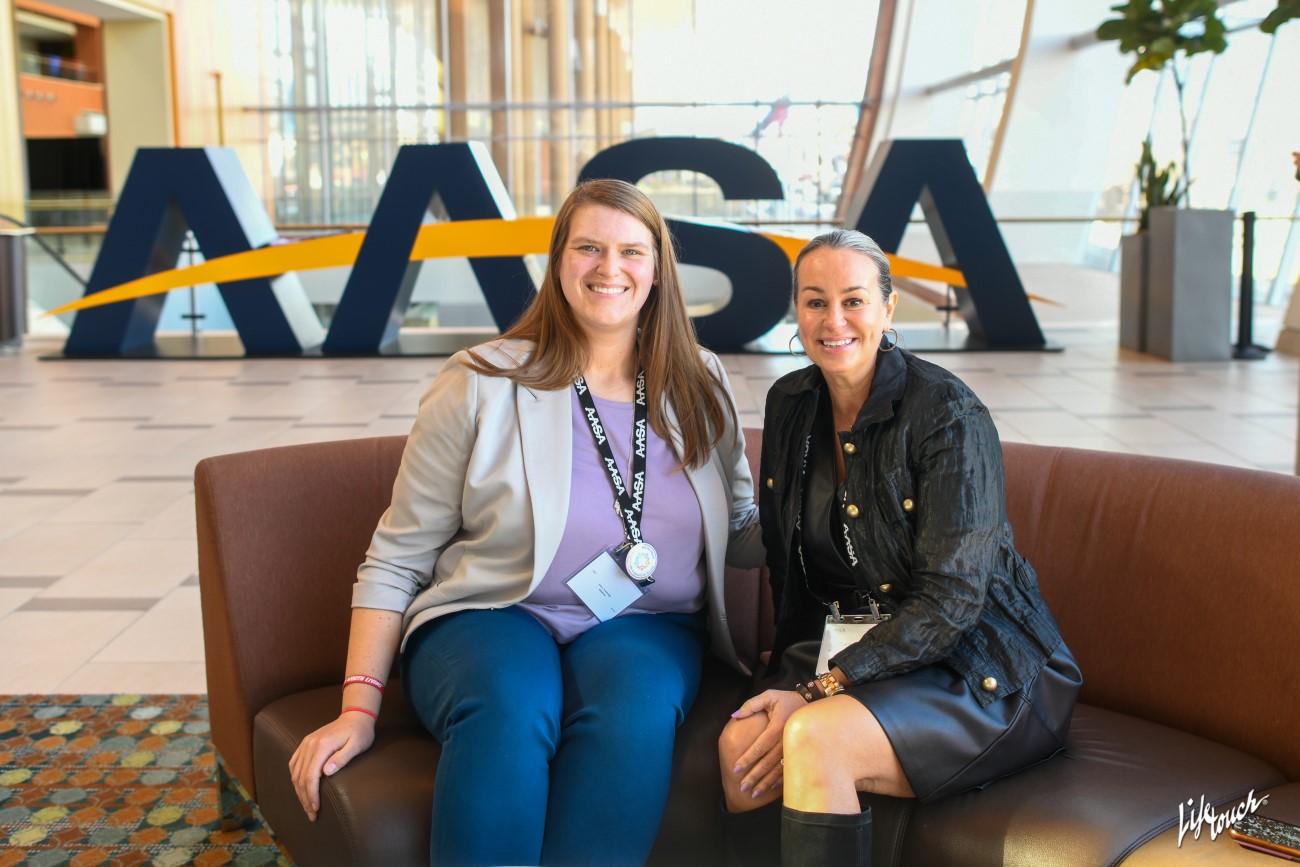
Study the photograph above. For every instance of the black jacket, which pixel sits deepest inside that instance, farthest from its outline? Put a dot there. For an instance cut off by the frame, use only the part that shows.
(926, 511)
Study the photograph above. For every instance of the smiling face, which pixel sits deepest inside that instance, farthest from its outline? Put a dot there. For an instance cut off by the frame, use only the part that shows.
(607, 270)
(841, 314)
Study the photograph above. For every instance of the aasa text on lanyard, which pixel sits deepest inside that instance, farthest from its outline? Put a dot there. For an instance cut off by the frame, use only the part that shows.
(629, 499)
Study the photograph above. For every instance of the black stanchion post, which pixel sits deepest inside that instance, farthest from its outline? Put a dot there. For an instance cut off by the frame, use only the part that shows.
(1246, 350)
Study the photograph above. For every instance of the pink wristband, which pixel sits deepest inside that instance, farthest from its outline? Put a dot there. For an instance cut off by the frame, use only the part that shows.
(366, 679)
(362, 710)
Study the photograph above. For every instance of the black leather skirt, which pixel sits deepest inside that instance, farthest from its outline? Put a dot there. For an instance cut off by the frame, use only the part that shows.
(946, 741)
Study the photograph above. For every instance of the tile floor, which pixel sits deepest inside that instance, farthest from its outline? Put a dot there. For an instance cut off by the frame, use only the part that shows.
(98, 591)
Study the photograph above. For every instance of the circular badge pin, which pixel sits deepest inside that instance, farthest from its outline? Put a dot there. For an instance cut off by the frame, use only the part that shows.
(642, 560)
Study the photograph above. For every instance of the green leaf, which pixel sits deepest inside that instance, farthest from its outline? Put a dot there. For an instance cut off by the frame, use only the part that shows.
(1112, 29)
(1158, 187)
(1165, 46)
(1286, 10)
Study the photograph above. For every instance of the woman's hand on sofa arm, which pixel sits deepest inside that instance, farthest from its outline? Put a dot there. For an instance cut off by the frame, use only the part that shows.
(326, 751)
(372, 644)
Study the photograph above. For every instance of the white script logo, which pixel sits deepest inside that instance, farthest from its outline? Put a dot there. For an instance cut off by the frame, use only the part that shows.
(1217, 822)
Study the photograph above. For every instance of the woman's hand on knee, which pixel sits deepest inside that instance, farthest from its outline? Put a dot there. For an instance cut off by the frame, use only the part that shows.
(326, 751)
(759, 767)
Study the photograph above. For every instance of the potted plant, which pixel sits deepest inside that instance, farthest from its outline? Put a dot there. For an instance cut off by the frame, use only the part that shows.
(1176, 272)
(1157, 188)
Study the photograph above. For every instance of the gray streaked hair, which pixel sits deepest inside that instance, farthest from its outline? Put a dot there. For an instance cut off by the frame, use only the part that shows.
(848, 239)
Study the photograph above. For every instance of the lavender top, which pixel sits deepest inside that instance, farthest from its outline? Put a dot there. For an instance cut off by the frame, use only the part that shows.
(671, 522)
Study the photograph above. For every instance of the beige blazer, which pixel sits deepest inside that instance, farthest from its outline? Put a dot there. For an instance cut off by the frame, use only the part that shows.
(482, 496)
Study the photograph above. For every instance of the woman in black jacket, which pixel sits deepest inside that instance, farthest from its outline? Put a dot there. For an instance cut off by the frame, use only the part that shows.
(882, 495)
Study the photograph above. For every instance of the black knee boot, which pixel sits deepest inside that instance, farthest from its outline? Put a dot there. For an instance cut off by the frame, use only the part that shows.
(753, 839)
(825, 839)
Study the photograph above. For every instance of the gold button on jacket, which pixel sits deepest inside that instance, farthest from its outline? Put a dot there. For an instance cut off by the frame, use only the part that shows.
(850, 449)
(852, 510)
(908, 505)
(769, 483)
(885, 588)
(990, 684)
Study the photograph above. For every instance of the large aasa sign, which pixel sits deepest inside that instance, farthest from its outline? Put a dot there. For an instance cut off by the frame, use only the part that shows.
(206, 191)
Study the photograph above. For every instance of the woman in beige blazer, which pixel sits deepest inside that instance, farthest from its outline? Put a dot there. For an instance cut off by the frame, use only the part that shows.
(552, 561)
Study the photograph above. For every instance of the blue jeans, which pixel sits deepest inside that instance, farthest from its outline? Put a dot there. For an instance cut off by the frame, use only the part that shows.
(551, 754)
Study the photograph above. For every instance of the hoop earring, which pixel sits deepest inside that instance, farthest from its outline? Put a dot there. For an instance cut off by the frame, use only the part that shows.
(790, 346)
(889, 347)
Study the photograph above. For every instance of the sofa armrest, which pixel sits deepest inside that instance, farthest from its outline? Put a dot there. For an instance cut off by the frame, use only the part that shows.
(281, 532)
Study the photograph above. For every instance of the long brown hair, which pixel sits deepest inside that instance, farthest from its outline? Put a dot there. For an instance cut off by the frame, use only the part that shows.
(666, 347)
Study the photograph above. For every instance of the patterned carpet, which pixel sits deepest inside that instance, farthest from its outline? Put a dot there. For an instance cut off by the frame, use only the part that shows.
(117, 779)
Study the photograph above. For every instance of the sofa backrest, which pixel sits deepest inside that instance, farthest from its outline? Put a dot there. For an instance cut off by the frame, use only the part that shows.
(1175, 583)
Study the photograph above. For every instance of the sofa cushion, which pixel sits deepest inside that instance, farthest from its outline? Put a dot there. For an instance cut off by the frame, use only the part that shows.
(1116, 786)
(377, 810)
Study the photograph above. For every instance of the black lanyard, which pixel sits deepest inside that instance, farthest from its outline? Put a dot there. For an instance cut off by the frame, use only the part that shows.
(629, 504)
(844, 496)
(864, 595)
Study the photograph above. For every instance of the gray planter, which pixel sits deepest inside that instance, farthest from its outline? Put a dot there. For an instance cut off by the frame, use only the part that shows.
(1133, 292)
(1176, 286)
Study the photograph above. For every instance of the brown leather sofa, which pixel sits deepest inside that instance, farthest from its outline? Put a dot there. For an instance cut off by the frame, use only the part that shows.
(1176, 584)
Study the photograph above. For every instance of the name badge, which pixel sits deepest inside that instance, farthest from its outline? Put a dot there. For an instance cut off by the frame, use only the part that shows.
(604, 587)
(840, 632)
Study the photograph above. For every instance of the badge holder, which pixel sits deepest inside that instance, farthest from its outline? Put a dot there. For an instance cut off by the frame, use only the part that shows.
(607, 584)
(842, 630)
(639, 560)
